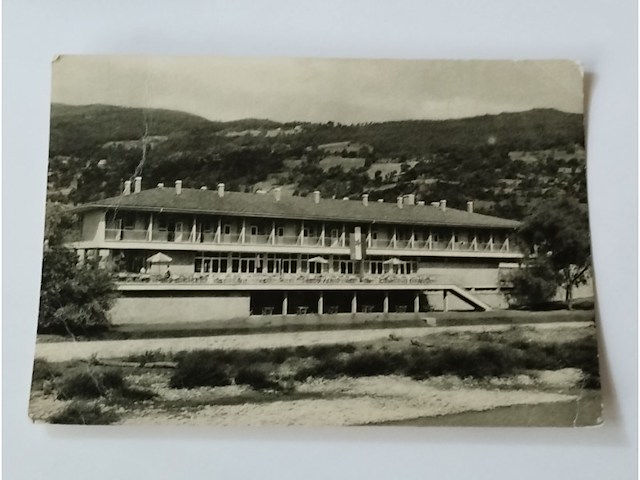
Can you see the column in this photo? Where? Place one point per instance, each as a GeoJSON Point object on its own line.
{"type": "Point", "coordinates": [285, 304]}
{"type": "Point", "coordinates": [273, 233]}
{"type": "Point", "coordinates": [219, 231]}
{"type": "Point", "coordinates": [243, 231]}
{"type": "Point", "coordinates": [416, 303]}
{"type": "Point", "coordinates": [385, 303]}
{"type": "Point", "coordinates": [321, 303]}
{"type": "Point", "coordinates": [354, 303]}
{"type": "Point", "coordinates": [101, 231]}
{"type": "Point", "coordinates": [445, 301]}
{"type": "Point", "coordinates": [150, 229]}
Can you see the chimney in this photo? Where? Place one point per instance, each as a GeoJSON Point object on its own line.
{"type": "Point", "coordinates": [435, 204]}
{"type": "Point", "coordinates": [399, 201]}
{"type": "Point", "coordinates": [178, 187]}
{"type": "Point", "coordinates": [277, 192]}
{"type": "Point", "coordinates": [127, 187]}
{"type": "Point", "coordinates": [421, 203]}
{"type": "Point", "coordinates": [221, 190]}
{"type": "Point", "coordinates": [316, 196]}
{"type": "Point", "coordinates": [365, 199]}
{"type": "Point", "coordinates": [161, 185]}
{"type": "Point", "coordinates": [443, 205]}
{"type": "Point", "coordinates": [204, 187]}
{"type": "Point", "coordinates": [410, 199]}
{"type": "Point", "coordinates": [470, 206]}
{"type": "Point", "coordinates": [137, 185]}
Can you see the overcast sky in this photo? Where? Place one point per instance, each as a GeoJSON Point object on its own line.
{"type": "Point", "coordinates": [318, 90]}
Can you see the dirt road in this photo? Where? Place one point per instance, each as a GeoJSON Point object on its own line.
{"type": "Point", "coordinates": [64, 351]}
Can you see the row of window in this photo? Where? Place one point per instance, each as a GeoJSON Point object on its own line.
{"type": "Point", "coordinates": [238, 263]}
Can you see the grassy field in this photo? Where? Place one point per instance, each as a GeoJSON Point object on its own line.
{"type": "Point", "coordinates": [421, 376]}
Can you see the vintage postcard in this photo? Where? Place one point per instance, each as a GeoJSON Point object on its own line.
{"type": "Point", "coordinates": [255, 241]}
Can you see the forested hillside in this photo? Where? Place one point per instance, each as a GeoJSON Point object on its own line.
{"type": "Point", "coordinates": [95, 148]}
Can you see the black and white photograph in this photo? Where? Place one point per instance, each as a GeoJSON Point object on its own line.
{"type": "Point", "coordinates": [237, 241]}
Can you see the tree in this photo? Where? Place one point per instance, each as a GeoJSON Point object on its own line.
{"type": "Point", "coordinates": [75, 297]}
{"type": "Point", "coordinates": [59, 225]}
{"type": "Point", "coordinates": [558, 229]}
{"type": "Point", "coordinates": [534, 283]}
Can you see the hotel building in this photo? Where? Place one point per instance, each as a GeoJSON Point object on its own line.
{"type": "Point", "coordinates": [184, 254]}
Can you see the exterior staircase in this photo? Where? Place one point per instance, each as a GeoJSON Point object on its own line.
{"type": "Point", "coordinates": [463, 295]}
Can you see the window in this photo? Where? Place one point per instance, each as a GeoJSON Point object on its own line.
{"type": "Point", "coordinates": [280, 232]}
{"type": "Point", "coordinates": [315, 267]}
{"type": "Point", "coordinates": [374, 235]}
{"type": "Point", "coordinates": [273, 265]}
{"type": "Point", "coordinates": [335, 233]}
{"type": "Point", "coordinates": [289, 265]}
{"type": "Point", "coordinates": [376, 267]}
{"type": "Point", "coordinates": [129, 222]}
{"type": "Point", "coordinates": [305, 232]}
{"type": "Point", "coordinates": [227, 229]}
{"type": "Point", "coordinates": [253, 230]}
{"type": "Point", "coordinates": [435, 238]}
{"type": "Point", "coordinates": [346, 266]}
{"type": "Point", "coordinates": [206, 264]}
{"type": "Point", "coordinates": [247, 265]}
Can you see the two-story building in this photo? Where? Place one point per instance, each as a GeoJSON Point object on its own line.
{"type": "Point", "coordinates": [183, 254]}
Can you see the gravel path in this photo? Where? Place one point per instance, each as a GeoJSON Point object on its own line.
{"type": "Point", "coordinates": [359, 401]}
{"type": "Point", "coordinates": [64, 351]}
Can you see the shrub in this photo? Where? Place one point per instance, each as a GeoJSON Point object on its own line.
{"type": "Point", "coordinates": [256, 378]}
{"type": "Point", "coordinates": [200, 368]}
{"type": "Point", "coordinates": [95, 384]}
{"type": "Point", "coordinates": [149, 356]}
{"type": "Point", "coordinates": [368, 364]}
{"type": "Point", "coordinates": [82, 413]}
{"type": "Point", "coordinates": [43, 370]}
{"type": "Point", "coordinates": [81, 385]}
{"type": "Point", "coordinates": [112, 380]}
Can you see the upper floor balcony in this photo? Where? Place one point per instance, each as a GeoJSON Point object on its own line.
{"type": "Point", "coordinates": [193, 239]}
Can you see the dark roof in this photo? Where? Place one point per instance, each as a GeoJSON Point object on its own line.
{"type": "Point", "coordinates": [265, 205]}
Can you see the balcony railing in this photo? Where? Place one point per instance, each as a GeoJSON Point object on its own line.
{"type": "Point", "coordinates": [262, 278]}
{"type": "Point", "coordinates": [208, 238]}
